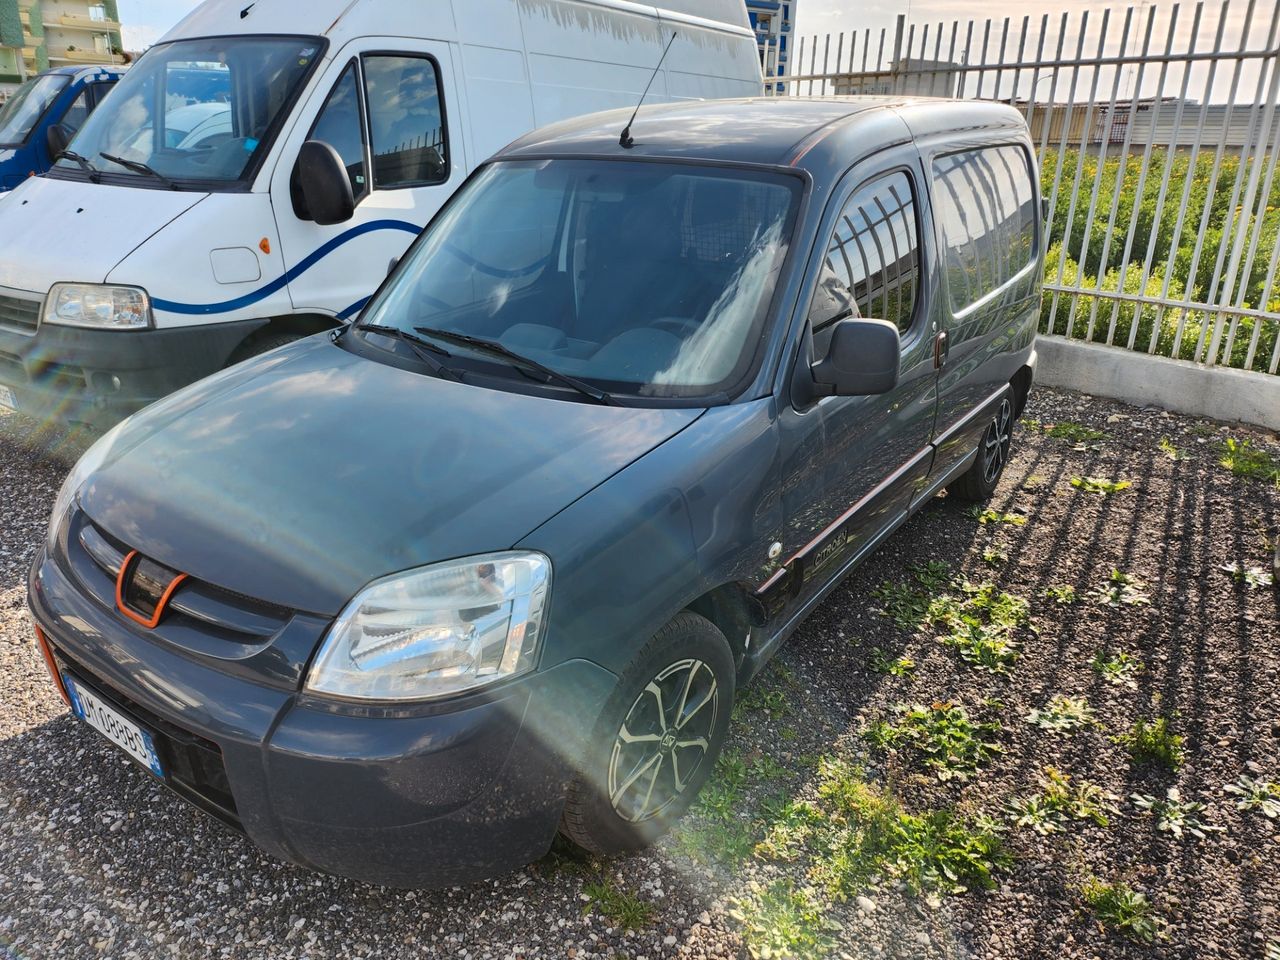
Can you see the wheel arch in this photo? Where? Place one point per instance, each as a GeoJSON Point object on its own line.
{"type": "Point", "coordinates": [733, 611]}
{"type": "Point", "coordinates": [1021, 384]}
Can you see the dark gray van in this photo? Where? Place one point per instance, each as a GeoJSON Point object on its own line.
{"type": "Point", "coordinates": [402, 602]}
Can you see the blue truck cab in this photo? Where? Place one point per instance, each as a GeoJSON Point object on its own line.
{"type": "Point", "coordinates": [63, 99]}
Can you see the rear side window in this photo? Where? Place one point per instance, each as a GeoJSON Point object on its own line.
{"type": "Point", "coordinates": [985, 201]}
{"type": "Point", "coordinates": [872, 264]}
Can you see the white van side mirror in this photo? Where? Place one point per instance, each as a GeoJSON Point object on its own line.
{"type": "Point", "coordinates": [322, 178]}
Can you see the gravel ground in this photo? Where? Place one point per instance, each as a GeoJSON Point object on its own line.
{"type": "Point", "coordinates": [98, 860]}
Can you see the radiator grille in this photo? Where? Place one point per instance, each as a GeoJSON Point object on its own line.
{"type": "Point", "coordinates": [19, 315]}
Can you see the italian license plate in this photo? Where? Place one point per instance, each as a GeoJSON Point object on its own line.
{"type": "Point", "coordinates": [119, 729]}
{"type": "Point", "coordinates": [8, 402]}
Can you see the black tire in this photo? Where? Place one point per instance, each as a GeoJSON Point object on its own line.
{"type": "Point", "coordinates": [613, 805]}
{"type": "Point", "coordinates": [259, 344]}
{"type": "Point", "coordinates": [979, 482]}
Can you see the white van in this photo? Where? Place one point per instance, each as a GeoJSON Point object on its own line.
{"type": "Point", "coordinates": [254, 177]}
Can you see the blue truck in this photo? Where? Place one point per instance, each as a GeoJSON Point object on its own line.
{"type": "Point", "coordinates": [44, 114]}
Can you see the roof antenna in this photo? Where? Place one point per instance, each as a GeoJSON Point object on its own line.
{"type": "Point", "coordinates": [245, 12]}
{"type": "Point", "coordinates": [625, 140]}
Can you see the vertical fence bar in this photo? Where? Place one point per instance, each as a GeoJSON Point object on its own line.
{"type": "Point", "coordinates": [1207, 211]}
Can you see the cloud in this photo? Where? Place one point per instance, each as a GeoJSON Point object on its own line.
{"type": "Point", "coordinates": [139, 36]}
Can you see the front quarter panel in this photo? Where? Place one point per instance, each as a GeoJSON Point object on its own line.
{"type": "Point", "coordinates": [697, 513]}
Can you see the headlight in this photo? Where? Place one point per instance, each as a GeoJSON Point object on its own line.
{"type": "Point", "coordinates": [437, 631]}
{"type": "Point", "coordinates": [93, 458]}
{"type": "Point", "coordinates": [98, 306]}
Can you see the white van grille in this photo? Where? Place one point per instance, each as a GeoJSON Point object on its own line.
{"type": "Point", "coordinates": [21, 316]}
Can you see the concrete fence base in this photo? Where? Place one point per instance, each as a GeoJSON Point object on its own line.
{"type": "Point", "coordinates": [1176, 385]}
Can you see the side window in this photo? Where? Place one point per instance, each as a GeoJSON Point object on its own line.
{"type": "Point", "coordinates": [406, 116]}
{"type": "Point", "coordinates": [985, 202]}
{"type": "Point", "coordinates": [78, 112]}
{"type": "Point", "coordinates": [341, 125]}
{"type": "Point", "coordinates": [872, 263]}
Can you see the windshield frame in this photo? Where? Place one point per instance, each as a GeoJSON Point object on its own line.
{"type": "Point", "coordinates": [53, 101]}
{"type": "Point", "coordinates": [112, 175]}
{"type": "Point", "coordinates": [750, 368]}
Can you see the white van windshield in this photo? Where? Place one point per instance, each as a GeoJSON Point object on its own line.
{"type": "Point", "coordinates": [24, 109]}
{"type": "Point", "coordinates": [645, 279]}
{"type": "Point", "coordinates": [195, 114]}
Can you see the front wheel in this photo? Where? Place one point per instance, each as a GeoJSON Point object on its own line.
{"type": "Point", "coordinates": [656, 741]}
{"type": "Point", "coordinates": [978, 483]}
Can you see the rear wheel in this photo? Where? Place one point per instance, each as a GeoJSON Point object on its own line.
{"type": "Point", "coordinates": [979, 481]}
{"type": "Point", "coordinates": [656, 741]}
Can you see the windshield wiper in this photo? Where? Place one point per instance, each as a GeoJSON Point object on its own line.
{"type": "Point", "coordinates": [94, 173]}
{"type": "Point", "coordinates": [137, 166]}
{"type": "Point", "coordinates": [423, 348]}
{"type": "Point", "coordinates": [518, 360]}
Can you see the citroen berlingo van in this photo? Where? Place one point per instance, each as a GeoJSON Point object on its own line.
{"type": "Point", "coordinates": [403, 601]}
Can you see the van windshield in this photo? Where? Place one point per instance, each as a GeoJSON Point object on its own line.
{"type": "Point", "coordinates": [643, 279]}
{"type": "Point", "coordinates": [196, 114]}
{"type": "Point", "coordinates": [19, 116]}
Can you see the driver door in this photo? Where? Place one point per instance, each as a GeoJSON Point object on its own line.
{"type": "Point", "coordinates": [388, 112]}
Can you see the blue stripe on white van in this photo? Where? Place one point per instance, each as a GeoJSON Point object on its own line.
{"type": "Point", "coordinates": [249, 299]}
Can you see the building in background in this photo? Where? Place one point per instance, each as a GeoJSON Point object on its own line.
{"type": "Point", "coordinates": [38, 34]}
{"type": "Point", "coordinates": [772, 21]}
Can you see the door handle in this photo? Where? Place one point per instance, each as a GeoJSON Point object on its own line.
{"type": "Point", "coordinates": [940, 350]}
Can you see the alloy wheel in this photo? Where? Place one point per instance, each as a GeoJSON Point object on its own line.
{"type": "Point", "coordinates": [663, 741]}
{"type": "Point", "coordinates": [995, 445]}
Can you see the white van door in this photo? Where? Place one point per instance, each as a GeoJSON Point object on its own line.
{"type": "Point", "coordinates": [386, 109]}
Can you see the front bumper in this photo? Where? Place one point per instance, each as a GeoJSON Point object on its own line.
{"type": "Point", "coordinates": [424, 796]}
{"type": "Point", "coordinates": [96, 378]}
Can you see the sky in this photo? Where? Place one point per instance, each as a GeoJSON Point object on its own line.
{"type": "Point", "coordinates": [145, 21]}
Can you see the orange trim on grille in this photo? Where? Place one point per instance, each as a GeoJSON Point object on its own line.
{"type": "Point", "coordinates": [161, 604]}
{"type": "Point", "coordinates": [43, 643]}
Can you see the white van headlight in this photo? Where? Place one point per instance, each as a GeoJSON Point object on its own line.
{"type": "Point", "coordinates": [438, 630]}
{"type": "Point", "coordinates": [99, 306]}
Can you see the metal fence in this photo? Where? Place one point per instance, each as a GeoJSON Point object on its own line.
{"type": "Point", "coordinates": [1158, 134]}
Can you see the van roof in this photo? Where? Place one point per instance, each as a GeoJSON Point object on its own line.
{"type": "Point", "coordinates": [341, 20]}
{"type": "Point", "coordinates": [774, 131]}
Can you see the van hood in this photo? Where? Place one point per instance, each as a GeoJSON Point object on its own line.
{"type": "Point", "coordinates": [299, 477]}
{"type": "Point", "coordinates": [66, 230]}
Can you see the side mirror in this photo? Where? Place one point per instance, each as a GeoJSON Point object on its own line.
{"type": "Point", "coordinates": [862, 360]}
{"type": "Point", "coordinates": [322, 178]}
{"type": "Point", "coordinates": [57, 138]}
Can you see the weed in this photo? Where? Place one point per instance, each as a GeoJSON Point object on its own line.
{"type": "Point", "coordinates": [933, 575]}
{"type": "Point", "coordinates": [764, 768]}
{"type": "Point", "coordinates": [1273, 950]}
{"type": "Point", "coordinates": [995, 516]}
{"type": "Point", "coordinates": [940, 852]}
{"type": "Point", "coordinates": [1173, 815]}
{"type": "Point", "coordinates": [905, 605]}
{"type": "Point", "coordinates": [1063, 594]}
{"type": "Point", "coordinates": [784, 921]}
{"type": "Point", "coordinates": [1063, 714]}
{"type": "Point", "coordinates": [952, 743]}
{"type": "Point", "coordinates": [1073, 432]}
{"type": "Point", "coordinates": [1153, 742]}
{"type": "Point", "coordinates": [762, 697]}
{"type": "Point", "coordinates": [898, 667]}
{"type": "Point", "coordinates": [620, 908]}
{"type": "Point", "coordinates": [790, 826]}
{"type": "Point", "coordinates": [714, 841]}
{"type": "Point", "coordinates": [1034, 482]}
{"type": "Point", "coordinates": [1118, 669]}
{"type": "Point", "coordinates": [1059, 802]}
{"type": "Point", "coordinates": [788, 734]}
{"type": "Point", "coordinates": [1172, 452]}
{"type": "Point", "coordinates": [722, 795]}
{"type": "Point", "coordinates": [1252, 577]}
{"type": "Point", "coordinates": [1122, 588]}
{"type": "Point", "coordinates": [1121, 908]}
{"type": "Point", "coordinates": [1100, 485]}
{"type": "Point", "coordinates": [980, 625]}
{"type": "Point", "coordinates": [1243, 459]}
{"type": "Point", "coordinates": [1256, 794]}
{"type": "Point", "coordinates": [995, 556]}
